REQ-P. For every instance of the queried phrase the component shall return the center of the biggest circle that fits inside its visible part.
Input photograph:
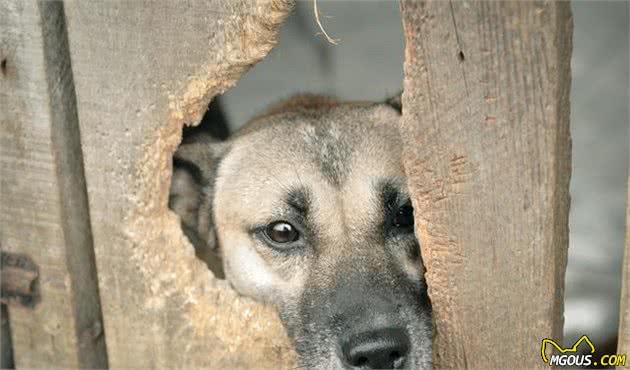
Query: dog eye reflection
(282, 232)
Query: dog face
(311, 214)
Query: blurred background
(367, 64)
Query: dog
(306, 208)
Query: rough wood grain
(44, 203)
(486, 122)
(142, 70)
(623, 344)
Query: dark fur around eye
(403, 219)
(398, 212)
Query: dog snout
(386, 348)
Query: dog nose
(378, 349)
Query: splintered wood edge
(211, 309)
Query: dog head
(309, 209)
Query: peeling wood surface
(141, 71)
(486, 122)
(44, 205)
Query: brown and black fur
(350, 291)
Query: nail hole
(3, 67)
(461, 56)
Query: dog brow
(300, 200)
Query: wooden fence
(94, 96)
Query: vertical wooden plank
(623, 343)
(486, 122)
(141, 70)
(44, 202)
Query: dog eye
(403, 219)
(282, 232)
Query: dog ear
(195, 166)
(395, 102)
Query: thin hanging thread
(319, 23)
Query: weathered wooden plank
(44, 203)
(141, 70)
(623, 344)
(486, 122)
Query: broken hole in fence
(193, 175)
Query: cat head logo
(568, 356)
